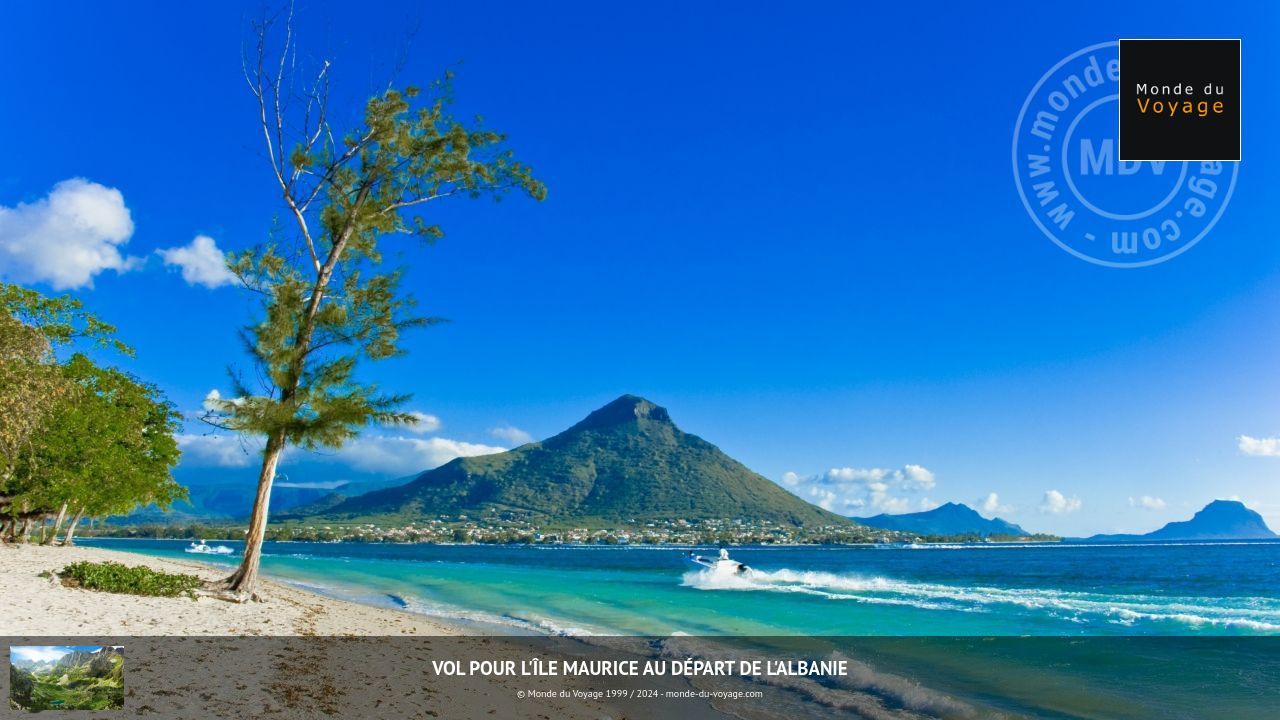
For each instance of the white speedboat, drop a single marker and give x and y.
(203, 548)
(718, 565)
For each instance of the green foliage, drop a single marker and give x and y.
(330, 301)
(118, 578)
(30, 387)
(106, 448)
(328, 298)
(75, 436)
(626, 462)
(62, 320)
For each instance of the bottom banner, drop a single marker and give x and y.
(685, 677)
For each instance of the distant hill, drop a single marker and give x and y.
(949, 519)
(1219, 520)
(626, 462)
(232, 500)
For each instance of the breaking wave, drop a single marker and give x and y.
(1154, 613)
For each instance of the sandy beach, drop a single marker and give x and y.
(298, 654)
(34, 605)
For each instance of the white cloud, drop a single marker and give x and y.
(1260, 447)
(1147, 502)
(396, 455)
(221, 450)
(1058, 504)
(511, 434)
(66, 238)
(391, 455)
(919, 478)
(991, 505)
(214, 402)
(426, 423)
(201, 262)
(322, 485)
(865, 491)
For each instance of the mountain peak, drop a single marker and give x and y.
(948, 519)
(625, 409)
(1219, 520)
(624, 463)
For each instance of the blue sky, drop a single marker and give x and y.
(45, 653)
(794, 227)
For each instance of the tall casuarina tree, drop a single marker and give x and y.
(328, 299)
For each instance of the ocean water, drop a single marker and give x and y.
(1100, 632)
(1197, 589)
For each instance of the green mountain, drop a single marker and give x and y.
(624, 463)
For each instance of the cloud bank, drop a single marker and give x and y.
(865, 491)
(68, 237)
(1259, 447)
(397, 455)
(385, 454)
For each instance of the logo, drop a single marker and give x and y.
(1107, 211)
(1180, 100)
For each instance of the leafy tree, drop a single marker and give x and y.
(61, 320)
(107, 448)
(74, 436)
(29, 389)
(31, 325)
(329, 299)
(110, 448)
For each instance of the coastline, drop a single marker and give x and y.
(299, 654)
(34, 605)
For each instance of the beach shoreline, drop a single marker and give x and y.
(298, 654)
(35, 605)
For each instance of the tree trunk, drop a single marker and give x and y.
(57, 527)
(71, 529)
(25, 537)
(245, 579)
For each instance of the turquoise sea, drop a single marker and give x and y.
(1222, 588)
(1114, 632)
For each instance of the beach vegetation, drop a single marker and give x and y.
(116, 577)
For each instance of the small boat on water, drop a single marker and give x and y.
(722, 564)
(203, 548)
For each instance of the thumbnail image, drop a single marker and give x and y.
(66, 677)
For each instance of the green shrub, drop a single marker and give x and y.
(117, 578)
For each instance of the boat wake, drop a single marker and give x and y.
(1136, 613)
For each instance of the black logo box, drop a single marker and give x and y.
(1187, 68)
